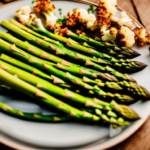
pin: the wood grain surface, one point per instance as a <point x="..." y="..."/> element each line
<point x="140" y="9"/>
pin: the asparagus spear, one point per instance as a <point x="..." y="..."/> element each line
<point x="131" y="87"/>
<point x="52" y="89"/>
<point x="64" y="75"/>
<point x="47" y="86"/>
<point x="19" y="85"/>
<point x="98" y="112"/>
<point x="44" y="65"/>
<point x="118" y="86"/>
<point x="32" y="116"/>
<point x="123" y="54"/>
<point x="60" y="50"/>
<point x="57" y="37"/>
<point x="122" y="65"/>
<point x="64" y="39"/>
<point x="128" y="52"/>
<point x="65" y="65"/>
<point x="49" y="34"/>
<point x="85" y="60"/>
<point x="35" y="71"/>
<point x="123" y="110"/>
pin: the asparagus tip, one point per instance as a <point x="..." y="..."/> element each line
<point x="147" y="93"/>
<point x="136" y="67"/>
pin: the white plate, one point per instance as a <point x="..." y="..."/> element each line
<point x="48" y="135"/>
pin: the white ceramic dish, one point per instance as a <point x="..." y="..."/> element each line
<point x="65" y="135"/>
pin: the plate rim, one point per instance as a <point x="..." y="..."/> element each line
<point x="10" y="142"/>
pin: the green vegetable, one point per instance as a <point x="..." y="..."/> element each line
<point x="63" y="21"/>
<point x="19" y="85"/>
<point x="48" y="87"/>
<point x="133" y="88"/>
<point x="35" y="71"/>
<point x="91" y="9"/>
<point x="62" y="51"/>
<point x="12" y="49"/>
<point x="33" y="1"/>
<point x="32" y="116"/>
<point x="95" y="103"/>
<point x="63" y="64"/>
<point x="122" y="65"/>
<point x="107" y="47"/>
<point x="118" y="86"/>
<point x="109" y="51"/>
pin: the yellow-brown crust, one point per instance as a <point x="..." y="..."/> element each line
<point x="101" y="9"/>
<point x="144" y="40"/>
<point x="72" y="20"/>
<point x="63" y="31"/>
<point x="100" y="20"/>
<point x="80" y="32"/>
<point x="119" y="38"/>
<point x="43" y="5"/>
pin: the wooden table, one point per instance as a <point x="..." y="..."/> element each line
<point x="141" y="139"/>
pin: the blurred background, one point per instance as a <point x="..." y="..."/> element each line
<point x="139" y="9"/>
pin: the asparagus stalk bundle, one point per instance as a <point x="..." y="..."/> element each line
<point x="122" y="65"/>
<point x="116" y="54"/>
<point x="52" y="89"/>
<point x="47" y="33"/>
<point x="32" y="116"/>
<point x="131" y="87"/>
<point x="98" y="112"/>
<point x="107" y="110"/>
<point x="118" y="86"/>
<point x="41" y="64"/>
<point x="47" y="86"/>
<point x="128" y="52"/>
<point x="12" y="49"/>
<point x="36" y="34"/>
<point x="85" y="60"/>
<point x="65" y="65"/>
<point x="125" y="52"/>
<point x="19" y="85"/>
<point x="35" y="71"/>
<point x="66" y="41"/>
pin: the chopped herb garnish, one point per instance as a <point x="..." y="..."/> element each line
<point x="59" y="9"/>
<point x="63" y="21"/>
<point x="91" y="9"/>
<point x="73" y="10"/>
<point x="33" y="1"/>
